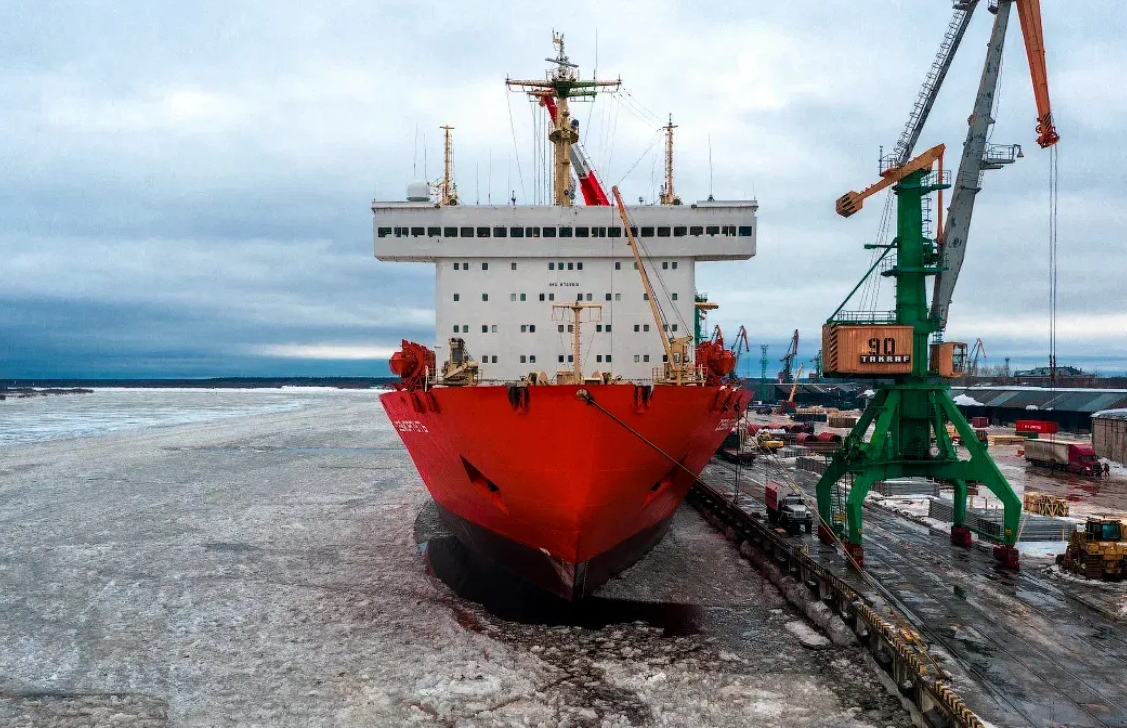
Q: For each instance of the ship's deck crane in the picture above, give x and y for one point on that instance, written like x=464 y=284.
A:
x=739 y=345
x=785 y=376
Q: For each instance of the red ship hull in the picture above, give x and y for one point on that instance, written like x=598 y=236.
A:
x=557 y=490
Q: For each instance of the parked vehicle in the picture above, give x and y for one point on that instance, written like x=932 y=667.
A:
x=1099 y=551
x=1075 y=457
x=787 y=509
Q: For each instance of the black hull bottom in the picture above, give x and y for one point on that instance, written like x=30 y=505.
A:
x=562 y=578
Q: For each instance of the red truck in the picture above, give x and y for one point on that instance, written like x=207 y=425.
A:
x=786 y=509
x=1075 y=457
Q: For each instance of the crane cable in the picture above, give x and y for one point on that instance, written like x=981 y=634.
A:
x=1053 y=259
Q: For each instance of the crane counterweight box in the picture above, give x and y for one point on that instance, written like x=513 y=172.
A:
x=866 y=349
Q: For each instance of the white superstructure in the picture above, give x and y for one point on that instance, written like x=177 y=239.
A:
x=499 y=270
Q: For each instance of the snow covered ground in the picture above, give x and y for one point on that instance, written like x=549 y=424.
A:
x=262 y=570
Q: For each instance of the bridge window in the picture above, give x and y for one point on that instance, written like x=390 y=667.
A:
x=713 y=230
x=551 y=296
x=745 y=231
x=608 y=359
x=549 y=232
x=565 y=231
x=571 y=266
x=665 y=265
x=483 y=232
x=614 y=232
x=485 y=296
x=485 y=328
x=523 y=359
x=561 y=358
x=647 y=231
x=582 y=232
x=457 y=297
x=434 y=232
x=494 y=359
x=680 y=231
x=696 y=230
x=466 y=232
x=663 y=232
x=383 y=232
x=485 y=266
x=417 y=232
x=674 y=296
x=522 y=297
x=512 y=266
x=500 y=232
x=579 y=265
x=541 y=296
x=637 y=358
x=532 y=232
x=618 y=265
x=551 y=266
x=531 y=358
x=608 y=298
x=449 y=232
x=646 y=357
x=602 y=232
x=618 y=296
x=674 y=265
x=599 y=358
x=608 y=328
x=516 y=232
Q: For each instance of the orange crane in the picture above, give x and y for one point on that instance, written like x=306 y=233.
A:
x=1029 y=15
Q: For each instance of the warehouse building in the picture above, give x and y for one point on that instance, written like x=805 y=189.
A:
x=1109 y=434
x=1072 y=409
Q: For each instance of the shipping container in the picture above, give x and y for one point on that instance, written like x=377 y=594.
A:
x=1042 y=427
x=1109 y=435
x=980 y=422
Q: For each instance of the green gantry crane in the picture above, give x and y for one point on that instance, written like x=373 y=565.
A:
x=917 y=407
x=910 y=416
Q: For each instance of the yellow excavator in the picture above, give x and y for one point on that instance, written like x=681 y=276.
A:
x=1099 y=551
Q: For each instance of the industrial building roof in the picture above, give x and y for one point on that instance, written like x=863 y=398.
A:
x=1040 y=398
x=1111 y=414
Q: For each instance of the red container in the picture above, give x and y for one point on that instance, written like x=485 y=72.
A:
x=1041 y=427
x=979 y=422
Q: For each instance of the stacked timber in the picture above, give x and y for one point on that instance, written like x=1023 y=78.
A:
x=1007 y=440
x=1044 y=504
x=845 y=422
x=811 y=464
x=810 y=414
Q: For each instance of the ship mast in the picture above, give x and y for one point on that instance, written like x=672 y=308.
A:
x=668 y=196
x=447 y=190
x=576 y=309
x=562 y=82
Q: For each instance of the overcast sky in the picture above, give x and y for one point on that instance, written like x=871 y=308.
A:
x=185 y=187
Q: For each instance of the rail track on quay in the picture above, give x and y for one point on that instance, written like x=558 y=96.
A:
x=1012 y=646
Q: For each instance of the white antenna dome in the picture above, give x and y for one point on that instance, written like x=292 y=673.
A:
x=418 y=192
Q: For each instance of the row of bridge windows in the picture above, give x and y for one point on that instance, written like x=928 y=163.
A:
x=562 y=231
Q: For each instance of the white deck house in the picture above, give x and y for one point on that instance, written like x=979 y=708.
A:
x=499 y=270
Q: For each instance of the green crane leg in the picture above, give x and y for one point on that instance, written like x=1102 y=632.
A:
x=981 y=468
x=856 y=500
x=824 y=490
